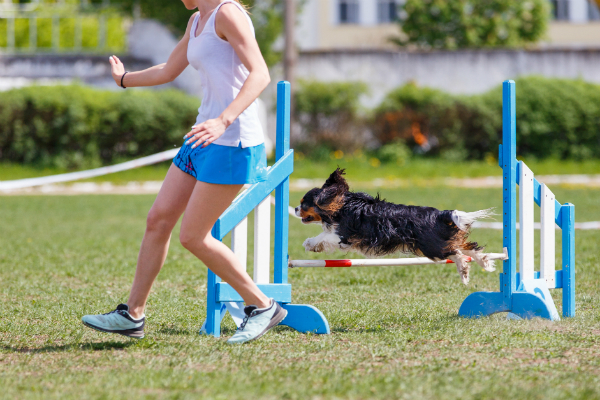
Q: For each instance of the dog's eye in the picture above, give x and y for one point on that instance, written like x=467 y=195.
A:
x=304 y=207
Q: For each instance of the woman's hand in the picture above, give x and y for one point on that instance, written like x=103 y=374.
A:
x=116 y=68
x=206 y=132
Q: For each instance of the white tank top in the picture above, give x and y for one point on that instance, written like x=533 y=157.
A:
x=222 y=75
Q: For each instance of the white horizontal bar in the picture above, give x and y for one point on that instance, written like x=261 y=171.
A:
x=591 y=225
x=381 y=262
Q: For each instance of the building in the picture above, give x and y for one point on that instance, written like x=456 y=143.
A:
x=360 y=24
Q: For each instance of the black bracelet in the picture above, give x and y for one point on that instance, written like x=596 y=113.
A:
x=123 y=76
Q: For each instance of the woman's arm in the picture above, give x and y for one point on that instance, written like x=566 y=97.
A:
x=159 y=74
x=233 y=26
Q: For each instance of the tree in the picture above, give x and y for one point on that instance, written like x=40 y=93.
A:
x=267 y=17
x=452 y=24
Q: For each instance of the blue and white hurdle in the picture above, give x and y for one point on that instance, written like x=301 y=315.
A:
x=220 y=296
x=525 y=293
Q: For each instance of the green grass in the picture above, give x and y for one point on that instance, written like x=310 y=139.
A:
x=358 y=170
x=395 y=332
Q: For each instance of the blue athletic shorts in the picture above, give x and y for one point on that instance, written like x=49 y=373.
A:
x=223 y=164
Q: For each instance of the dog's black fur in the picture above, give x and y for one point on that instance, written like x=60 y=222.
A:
x=375 y=227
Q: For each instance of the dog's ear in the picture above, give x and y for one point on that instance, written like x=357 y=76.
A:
x=331 y=197
x=336 y=179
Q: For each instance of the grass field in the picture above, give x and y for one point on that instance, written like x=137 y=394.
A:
x=395 y=330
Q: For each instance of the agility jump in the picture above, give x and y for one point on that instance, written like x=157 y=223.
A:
x=524 y=294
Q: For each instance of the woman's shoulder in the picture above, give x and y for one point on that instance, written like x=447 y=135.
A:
x=191 y=22
x=231 y=12
x=193 y=17
x=232 y=15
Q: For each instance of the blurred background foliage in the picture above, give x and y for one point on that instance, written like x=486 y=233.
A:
x=73 y=126
x=68 y=16
x=267 y=17
x=453 y=24
x=328 y=114
x=565 y=113
x=116 y=35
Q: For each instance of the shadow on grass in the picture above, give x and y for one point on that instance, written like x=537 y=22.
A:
x=436 y=324
x=225 y=331
x=94 y=346
x=176 y=331
x=283 y=328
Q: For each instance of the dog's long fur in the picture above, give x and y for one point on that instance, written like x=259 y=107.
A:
x=375 y=227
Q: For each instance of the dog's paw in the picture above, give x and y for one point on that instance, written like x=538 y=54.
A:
x=311 y=244
x=307 y=245
x=462 y=267
x=482 y=259
x=464 y=277
x=463 y=271
x=489 y=265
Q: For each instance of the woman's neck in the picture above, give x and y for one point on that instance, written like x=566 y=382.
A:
x=206 y=6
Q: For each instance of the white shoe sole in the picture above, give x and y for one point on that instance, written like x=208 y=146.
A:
x=131 y=333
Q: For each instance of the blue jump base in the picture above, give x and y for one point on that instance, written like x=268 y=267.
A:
x=301 y=317
x=530 y=298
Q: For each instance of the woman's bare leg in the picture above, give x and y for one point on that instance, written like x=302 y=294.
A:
x=164 y=214
x=207 y=203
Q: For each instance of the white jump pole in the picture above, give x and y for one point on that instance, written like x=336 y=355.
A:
x=262 y=241
x=382 y=262
x=526 y=236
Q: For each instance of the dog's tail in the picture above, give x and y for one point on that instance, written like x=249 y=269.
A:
x=464 y=220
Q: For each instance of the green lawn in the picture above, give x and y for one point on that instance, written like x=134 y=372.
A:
x=395 y=330
x=358 y=170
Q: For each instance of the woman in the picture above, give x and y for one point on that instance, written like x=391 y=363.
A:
x=222 y=152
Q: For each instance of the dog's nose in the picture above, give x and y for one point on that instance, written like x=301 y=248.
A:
x=297 y=210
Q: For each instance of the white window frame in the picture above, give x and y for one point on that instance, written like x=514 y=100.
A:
x=383 y=11
x=561 y=10
x=353 y=6
x=593 y=11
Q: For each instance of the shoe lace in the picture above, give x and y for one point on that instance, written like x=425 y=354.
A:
x=120 y=312
x=243 y=324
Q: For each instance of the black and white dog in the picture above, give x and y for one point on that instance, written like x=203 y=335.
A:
x=374 y=227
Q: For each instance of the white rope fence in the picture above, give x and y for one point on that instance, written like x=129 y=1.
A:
x=90 y=173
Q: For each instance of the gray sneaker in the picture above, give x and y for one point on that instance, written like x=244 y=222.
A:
x=117 y=321
x=257 y=322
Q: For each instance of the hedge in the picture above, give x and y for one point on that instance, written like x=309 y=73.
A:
x=452 y=24
x=328 y=115
x=556 y=118
x=75 y=126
